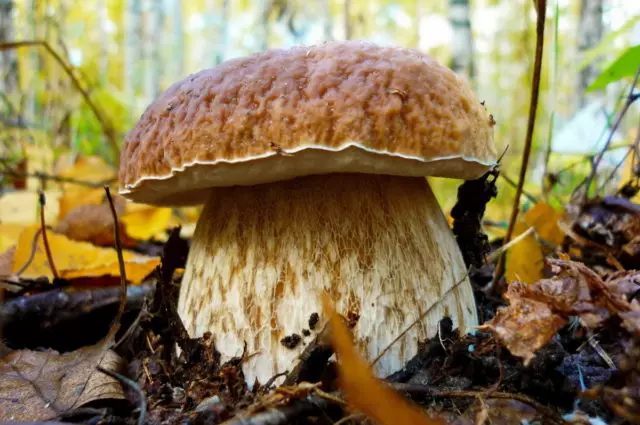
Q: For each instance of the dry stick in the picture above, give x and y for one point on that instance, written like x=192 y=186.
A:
x=428 y=392
x=45 y=241
x=68 y=69
x=123 y=273
x=42 y=176
x=631 y=97
x=131 y=384
x=541 y=6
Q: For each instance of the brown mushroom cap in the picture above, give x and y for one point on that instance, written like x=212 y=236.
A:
x=336 y=107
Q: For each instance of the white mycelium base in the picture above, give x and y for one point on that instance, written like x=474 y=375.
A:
x=379 y=245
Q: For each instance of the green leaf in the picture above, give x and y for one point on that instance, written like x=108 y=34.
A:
x=625 y=66
x=606 y=46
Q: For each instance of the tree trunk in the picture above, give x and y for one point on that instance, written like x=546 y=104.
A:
x=347 y=20
x=263 y=24
x=462 y=45
x=327 y=24
x=590 y=32
x=219 y=17
x=8 y=58
x=153 y=42
x=132 y=46
x=103 y=17
x=177 y=53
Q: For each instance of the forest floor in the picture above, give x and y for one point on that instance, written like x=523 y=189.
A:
x=563 y=349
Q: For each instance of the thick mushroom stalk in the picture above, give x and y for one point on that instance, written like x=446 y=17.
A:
x=379 y=245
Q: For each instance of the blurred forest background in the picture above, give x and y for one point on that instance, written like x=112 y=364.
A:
x=124 y=53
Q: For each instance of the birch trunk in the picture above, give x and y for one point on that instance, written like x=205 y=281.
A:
x=8 y=58
x=176 y=57
x=153 y=42
x=132 y=45
x=327 y=24
x=218 y=12
x=590 y=32
x=348 y=30
x=462 y=44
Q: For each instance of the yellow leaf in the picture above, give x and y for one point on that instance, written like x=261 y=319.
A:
x=75 y=259
x=22 y=207
x=90 y=169
x=525 y=259
x=362 y=390
x=145 y=221
x=73 y=198
x=9 y=233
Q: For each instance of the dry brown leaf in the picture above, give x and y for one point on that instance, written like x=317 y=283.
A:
x=76 y=197
x=362 y=390
x=38 y=385
x=76 y=259
x=525 y=260
x=537 y=311
x=525 y=325
x=6 y=261
x=94 y=223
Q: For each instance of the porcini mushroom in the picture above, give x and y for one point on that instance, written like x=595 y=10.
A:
x=311 y=165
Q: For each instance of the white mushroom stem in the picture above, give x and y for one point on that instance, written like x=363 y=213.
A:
x=379 y=245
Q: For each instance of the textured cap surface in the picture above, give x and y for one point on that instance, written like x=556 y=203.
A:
x=336 y=107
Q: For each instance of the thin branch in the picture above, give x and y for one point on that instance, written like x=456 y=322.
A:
x=131 y=384
x=68 y=69
x=541 y=6
x=43 y=176
x=547 y=412
x=631 y=97
x=123 y=273
x=515 y=185
x=45 y=240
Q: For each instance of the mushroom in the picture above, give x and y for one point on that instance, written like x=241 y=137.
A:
x=311 y=163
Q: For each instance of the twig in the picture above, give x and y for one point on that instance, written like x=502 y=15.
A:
x=504 y=248
x=283 y=415
x=131 y=384
x=419 y=319
x=42 y=176
x=515 y=185
x=631 y=97
x=34 y=244
x=541 y=6
x=123 y=273
x=68 y=69
x=45 y=241
x=428 y=392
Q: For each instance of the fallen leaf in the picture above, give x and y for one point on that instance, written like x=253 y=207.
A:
x=76 y=197
x=49 y=382
x=76 y=259
x=9 y=233
x=537 y=311
x=6 y=261
x=22 y=207
x=94 y=223
x=525 y=259
x=362 y=390
x=525 y=325
x=146 y=221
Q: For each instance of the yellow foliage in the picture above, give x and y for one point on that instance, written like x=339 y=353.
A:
x=9 y=233
x=362 y=390
x=525 y=258
x=22 y=207
x=145 y=221
x=73 y=198
x=75 y=259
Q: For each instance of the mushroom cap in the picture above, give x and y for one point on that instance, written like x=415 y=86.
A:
x=335 y=107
